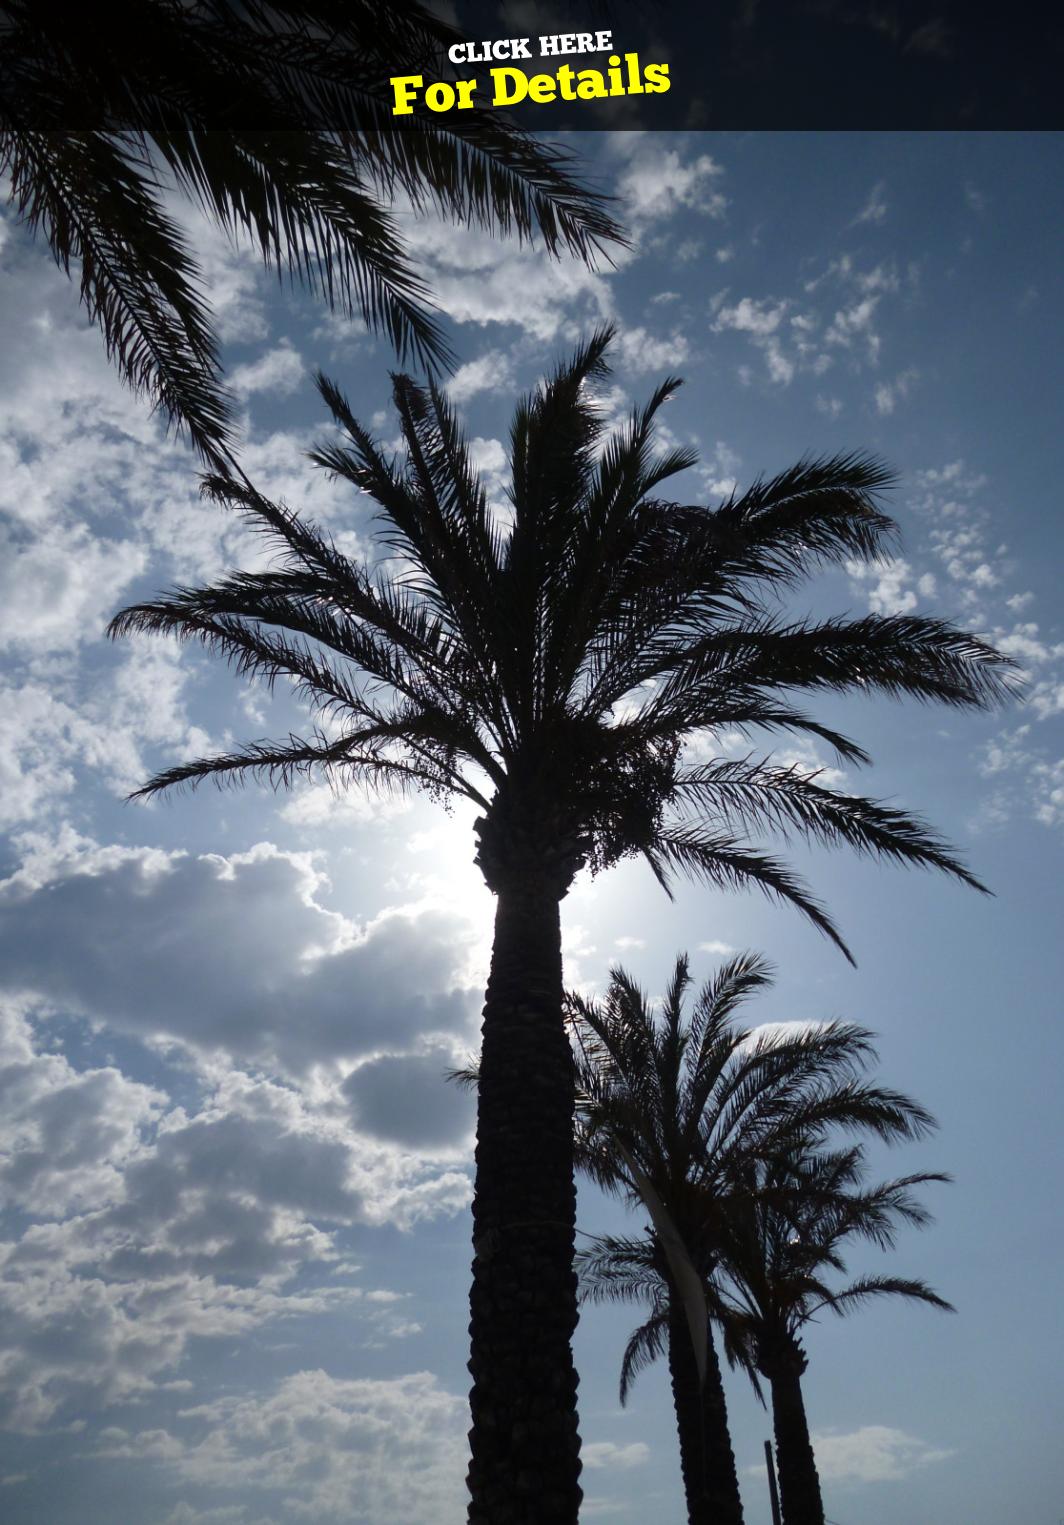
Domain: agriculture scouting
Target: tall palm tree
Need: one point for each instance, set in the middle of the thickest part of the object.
(97, 110)
(675, 1113)
(784, 1240)
(489, 662)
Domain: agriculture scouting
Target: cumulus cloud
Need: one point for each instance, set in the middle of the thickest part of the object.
(331, 1449)
(57, 592)
(236, 955)
(280, 370)
(890, 584)
(405, 1099)
(484, 374)
(875, 1453)
(606, 1455)
(788, 339)
(65, 1136)
(49, 730)
(479, 278)
(658, 182)
(640, 351)
(751, 317)
(151, 1224)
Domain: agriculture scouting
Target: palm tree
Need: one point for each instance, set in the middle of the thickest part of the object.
(487, 662)
(96, 111)
(784, 1238)
(674, 1114)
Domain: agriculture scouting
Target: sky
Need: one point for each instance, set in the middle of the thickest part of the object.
(235, 1236)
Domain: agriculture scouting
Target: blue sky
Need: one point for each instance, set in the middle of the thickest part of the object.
(235, 1238)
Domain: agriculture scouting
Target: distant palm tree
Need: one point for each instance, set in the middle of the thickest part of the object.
(550, 670)
(675, 1113)
(97, 108)
(784, 1239)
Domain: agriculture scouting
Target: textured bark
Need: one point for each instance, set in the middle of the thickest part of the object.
(525, 1448)
(799, 1483)
(706, 1457)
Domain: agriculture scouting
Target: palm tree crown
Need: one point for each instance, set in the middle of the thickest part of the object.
(784, 1248)
(96, 111)
(785, 1240)
(551, 671)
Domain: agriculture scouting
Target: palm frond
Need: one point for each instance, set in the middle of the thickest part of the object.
(865, 1288)
(310, 191)
(786, 801)
(725, 862)
(645, 1346)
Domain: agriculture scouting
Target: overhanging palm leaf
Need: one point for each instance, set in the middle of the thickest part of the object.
(313, 194)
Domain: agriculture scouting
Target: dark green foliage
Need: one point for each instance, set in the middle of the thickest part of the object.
(99, 108)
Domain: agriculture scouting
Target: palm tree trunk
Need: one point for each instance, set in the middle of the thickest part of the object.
(706, 1457)
(525, 1448)
(799, 1483)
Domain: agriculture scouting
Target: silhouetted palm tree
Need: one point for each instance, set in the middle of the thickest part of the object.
(489, 661)
(675, 1114)
(784, 1239)
(98, 107)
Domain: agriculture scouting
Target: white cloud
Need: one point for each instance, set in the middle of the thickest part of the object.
(875, 1453)
(218, 953)
(1049, 792)
(605, 1454)
(361, 1450)
(59, 591)
(65, 1136)
(889, 394)
(751, 317)
(486, 373)
(326, 804)
(1025, 644)
(659, 182)
(855, 322)
(279, 370)
(1029, 779)
(640, 351)
(154, 1225)
(890, 584)
(480, 278)
(45, 736)
(719, 473)
(761, 322)
(875, 206)
(717, 948)
(780, 368)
